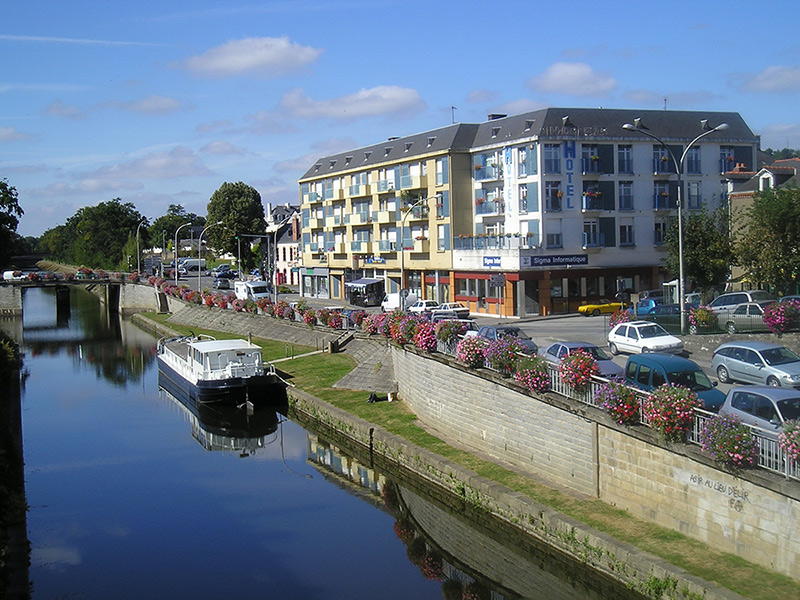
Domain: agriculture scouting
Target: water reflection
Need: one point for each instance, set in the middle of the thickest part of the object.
(473, 558)
(245, 430)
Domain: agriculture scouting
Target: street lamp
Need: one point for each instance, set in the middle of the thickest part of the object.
(138, 252)
(638, 127)
(200, 249)
(175, 251)
(408, 211)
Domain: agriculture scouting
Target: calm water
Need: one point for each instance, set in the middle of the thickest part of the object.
(133, 495)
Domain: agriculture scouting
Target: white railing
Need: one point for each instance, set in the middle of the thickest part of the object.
(770, 456)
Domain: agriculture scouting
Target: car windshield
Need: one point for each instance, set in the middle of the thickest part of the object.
(651, 331)
(697, 381)
(789, 408)
(595, 352)
(779, 356)
(515, 333)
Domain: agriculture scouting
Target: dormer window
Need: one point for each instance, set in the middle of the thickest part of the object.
(431, 140)
(408, 146)
(387, 151)
(367, 155)
(333, 164)
(495, 131)
(347, 160)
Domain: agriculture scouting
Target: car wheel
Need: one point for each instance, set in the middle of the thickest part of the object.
(645, 350)
(723, 375)
(693, 329)
(595, 312)
(731, 327)
(613, 347)
(773, 382)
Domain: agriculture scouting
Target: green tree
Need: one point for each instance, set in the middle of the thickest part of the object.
(768, 239)
(707, 248)
(238, 206)
(10, 212)
(163, 228)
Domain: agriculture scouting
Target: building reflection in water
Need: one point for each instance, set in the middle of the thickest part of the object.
(473, 555)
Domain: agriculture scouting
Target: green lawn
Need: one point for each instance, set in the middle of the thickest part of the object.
(317, 373)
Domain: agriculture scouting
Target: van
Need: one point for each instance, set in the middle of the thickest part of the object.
(724, 304)
(191, 264)
(649, 371)
(251, 290)
(392, 301)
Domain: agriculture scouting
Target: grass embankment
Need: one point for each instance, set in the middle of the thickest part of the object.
(317, 373)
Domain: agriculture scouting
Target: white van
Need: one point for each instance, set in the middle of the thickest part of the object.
(251, 290)
(392, 301)
(191, 264)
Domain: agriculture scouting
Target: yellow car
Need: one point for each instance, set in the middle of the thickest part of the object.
(599, 307)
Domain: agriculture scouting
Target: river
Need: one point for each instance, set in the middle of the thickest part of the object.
(134, 495)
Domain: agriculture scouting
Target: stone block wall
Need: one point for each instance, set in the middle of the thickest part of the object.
(753, 514)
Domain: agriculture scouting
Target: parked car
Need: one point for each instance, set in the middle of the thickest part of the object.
(221, 283)
(652, 295)
(458, 308)
(747, 317)
(765, 407)
(649, 371)
(423, 306)
(726, 303)
(493, 333)
(645, 307)
(393, 301)
(796, 298)
(756, 362)
(668, 316)
(229, 274)
(599, 307)
(554, 353)
(636, 337)
(441, 315)
(693, 299)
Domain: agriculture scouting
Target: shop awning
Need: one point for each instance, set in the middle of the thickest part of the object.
(364, 282)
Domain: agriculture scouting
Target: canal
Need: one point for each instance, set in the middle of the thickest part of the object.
(133, 494)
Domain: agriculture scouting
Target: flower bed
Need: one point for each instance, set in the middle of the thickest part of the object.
(729, 442)
(669, 410)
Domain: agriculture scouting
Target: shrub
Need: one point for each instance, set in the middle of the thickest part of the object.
(238, 304)
(782, 316)
(729, 441)
(402, 329)
(532, 374)
(425, 337)
(448, 331)
(335, 320)
(669, 410)
(789, 439)
(310, 317)
(576, 370)
(619, 401)
(280, 309)
(619, 316)
(503, 355)
(701, 317)
(469, 351)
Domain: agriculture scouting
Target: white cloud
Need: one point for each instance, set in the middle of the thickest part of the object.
(9, 134)
(577, 79)
(778, 79)
(57, 108)
(151, 105)
(377, 101)
(214, 126)
(266, 57)
(179, 162)
(481, 96)
(220, 147)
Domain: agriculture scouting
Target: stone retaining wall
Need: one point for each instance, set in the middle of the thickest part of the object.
(753, 514)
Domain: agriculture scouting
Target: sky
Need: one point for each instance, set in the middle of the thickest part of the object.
(159, 103)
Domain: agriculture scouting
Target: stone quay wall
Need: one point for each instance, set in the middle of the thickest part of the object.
(753, 514)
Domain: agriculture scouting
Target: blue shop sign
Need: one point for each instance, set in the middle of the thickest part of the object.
(491, 261)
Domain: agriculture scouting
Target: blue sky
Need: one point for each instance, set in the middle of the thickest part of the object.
(159, 103)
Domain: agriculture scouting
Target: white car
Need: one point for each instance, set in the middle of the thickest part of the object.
(458, 308)
(637, 337)
(421, 306)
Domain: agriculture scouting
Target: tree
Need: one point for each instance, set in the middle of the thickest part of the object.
(768, 239)
(10, 212)
(163, 228)
(707, 249)
(238, 206)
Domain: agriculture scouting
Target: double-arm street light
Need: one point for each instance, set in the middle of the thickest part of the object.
(175, 251)
(139, 252)
(408, 210)
(638, 127)
(200, 249)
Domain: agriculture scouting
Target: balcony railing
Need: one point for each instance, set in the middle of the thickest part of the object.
(313, 197)
(360, 246)
(592, 203)
(333, 194)
(591, 165)
(487, 172)
(385, 185)
(387, 246)
(410, 182)
(359, 190)
(489, 207)
(660, 201)
(593, 240)
(495, 242)
(552, 204)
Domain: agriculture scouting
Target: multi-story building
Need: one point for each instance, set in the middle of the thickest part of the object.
(528, 214)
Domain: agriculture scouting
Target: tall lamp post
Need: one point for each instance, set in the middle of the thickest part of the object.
(408, 211)
(138, 252)
(638, 127)
(200, 249)
(175, 248)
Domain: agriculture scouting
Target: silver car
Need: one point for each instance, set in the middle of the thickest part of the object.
(748, 316)
(560, 350)
(764, 407)
(756, 362)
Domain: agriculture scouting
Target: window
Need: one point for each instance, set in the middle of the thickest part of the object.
(726, 159)
(526, 160)
(660, 195)
(553, 239)
(659, 233)
(693, 161)
(625, 159)
(442, 171)
(590, 158)
(693, 193)
(552, 192)
(528, 198)
(625, 195)
(552, 158)
(661, 160)
(591, 235)
(626, 235)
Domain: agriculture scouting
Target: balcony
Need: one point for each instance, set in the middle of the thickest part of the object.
(359, 190)
(313, 247)
(661, 201)
(552, 204)
(385, 246)
(662, 166)
(333, 194)
(388, 216)
(489, 207)
(593, 241)
(361, 218)
(591, 202)
(422, 245)
(336, 247)
(489, 171)
(312, 197)
(334, 221)
(410, 182)
(361, 246)
(315, 223)
(419, 213)
(385, 185)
